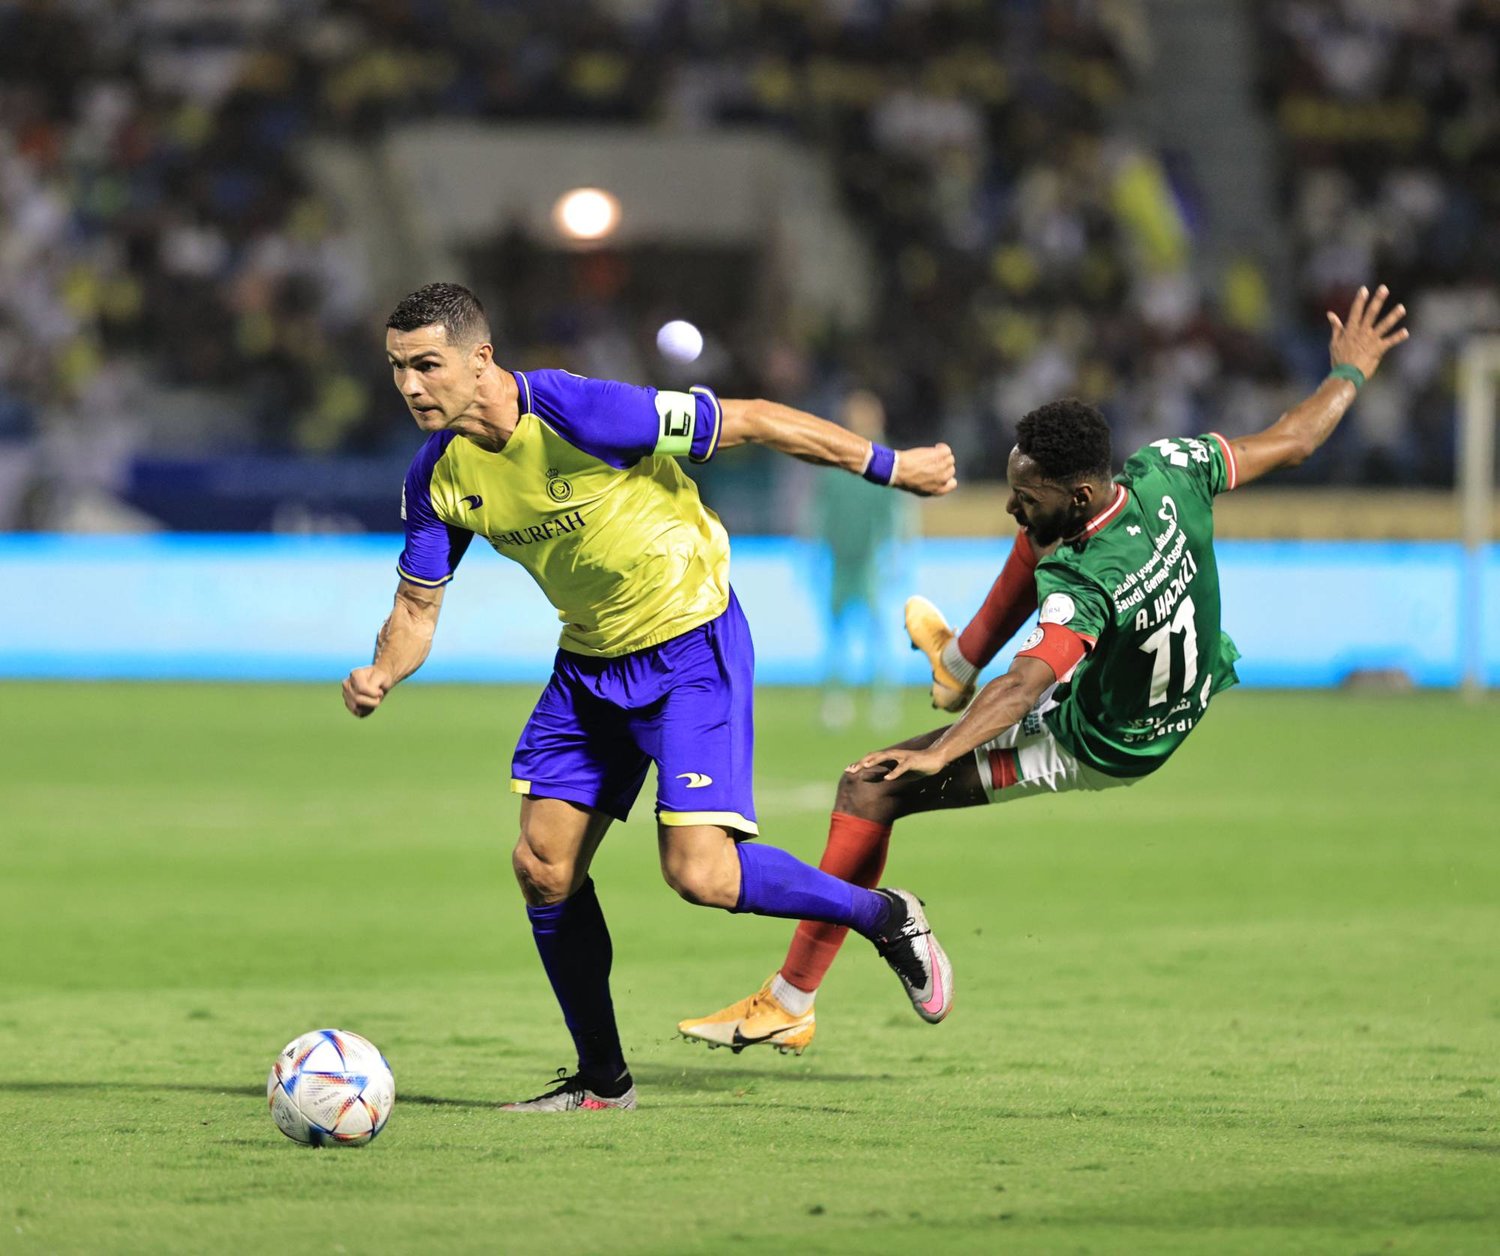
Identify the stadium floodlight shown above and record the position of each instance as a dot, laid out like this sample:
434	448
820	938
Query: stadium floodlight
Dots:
1478	373
586	214
679	341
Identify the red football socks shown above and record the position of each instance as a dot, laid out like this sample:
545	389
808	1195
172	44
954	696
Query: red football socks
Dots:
855	852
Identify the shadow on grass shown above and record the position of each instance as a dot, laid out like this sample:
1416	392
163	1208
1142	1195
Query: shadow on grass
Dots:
658	1078
187	1087
1468	1145
255	1092
672	1077
709	1080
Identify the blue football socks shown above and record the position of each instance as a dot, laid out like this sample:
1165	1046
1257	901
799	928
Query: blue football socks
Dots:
774	883
574	944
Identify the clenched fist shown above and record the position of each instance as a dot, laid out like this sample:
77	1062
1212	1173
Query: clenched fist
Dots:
928	471
364	690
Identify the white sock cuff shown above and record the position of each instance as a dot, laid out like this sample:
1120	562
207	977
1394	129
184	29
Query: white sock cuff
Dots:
797	1002
962	670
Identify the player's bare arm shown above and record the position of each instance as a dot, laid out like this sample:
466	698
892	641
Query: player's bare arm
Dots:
1001	704
928	470
400	647
1359	341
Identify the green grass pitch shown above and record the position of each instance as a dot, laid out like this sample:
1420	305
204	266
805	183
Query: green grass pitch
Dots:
1250	1006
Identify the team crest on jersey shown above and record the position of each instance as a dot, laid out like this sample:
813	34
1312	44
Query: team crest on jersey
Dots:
558	489
1175	453
1059	608
1033	641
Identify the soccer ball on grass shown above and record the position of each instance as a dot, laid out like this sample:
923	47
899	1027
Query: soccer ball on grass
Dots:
331	1087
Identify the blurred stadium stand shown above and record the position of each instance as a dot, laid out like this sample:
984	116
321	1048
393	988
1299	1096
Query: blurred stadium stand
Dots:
208	206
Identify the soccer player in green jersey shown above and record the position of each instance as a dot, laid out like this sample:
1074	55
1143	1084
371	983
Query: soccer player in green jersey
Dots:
1121	668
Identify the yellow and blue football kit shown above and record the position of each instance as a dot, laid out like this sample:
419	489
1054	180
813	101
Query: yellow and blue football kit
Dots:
588	497
655	665
655	660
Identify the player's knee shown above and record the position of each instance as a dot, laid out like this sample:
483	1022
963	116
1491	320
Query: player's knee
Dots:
684	878
879	801
540	882
702	882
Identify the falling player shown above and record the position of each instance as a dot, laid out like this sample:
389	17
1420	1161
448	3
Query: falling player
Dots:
576	480
1118	672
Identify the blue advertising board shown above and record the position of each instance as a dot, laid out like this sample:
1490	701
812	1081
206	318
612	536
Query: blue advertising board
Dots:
262	607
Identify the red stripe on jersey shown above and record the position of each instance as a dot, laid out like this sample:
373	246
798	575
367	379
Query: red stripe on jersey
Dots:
1230	464
1109	513
1003	772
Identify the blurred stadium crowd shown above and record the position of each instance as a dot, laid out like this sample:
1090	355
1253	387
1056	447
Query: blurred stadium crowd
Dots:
162	249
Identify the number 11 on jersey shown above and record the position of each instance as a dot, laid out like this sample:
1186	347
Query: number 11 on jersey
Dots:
1159	644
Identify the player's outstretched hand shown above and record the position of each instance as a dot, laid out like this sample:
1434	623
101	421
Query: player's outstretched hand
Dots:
1364	337
928	471
364	689
889	765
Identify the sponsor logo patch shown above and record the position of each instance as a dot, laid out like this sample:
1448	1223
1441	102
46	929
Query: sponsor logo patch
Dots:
1059	608
695	780
547	530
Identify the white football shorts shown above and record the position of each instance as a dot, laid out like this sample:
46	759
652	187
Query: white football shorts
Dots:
1027	759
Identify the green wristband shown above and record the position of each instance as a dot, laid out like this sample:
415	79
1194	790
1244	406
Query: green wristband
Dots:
1352	373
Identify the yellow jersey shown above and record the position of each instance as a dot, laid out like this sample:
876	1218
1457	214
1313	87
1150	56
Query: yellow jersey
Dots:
588	497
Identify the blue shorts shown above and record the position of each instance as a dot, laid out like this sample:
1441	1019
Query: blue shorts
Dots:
686	705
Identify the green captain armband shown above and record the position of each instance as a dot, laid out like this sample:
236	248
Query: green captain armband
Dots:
1352	373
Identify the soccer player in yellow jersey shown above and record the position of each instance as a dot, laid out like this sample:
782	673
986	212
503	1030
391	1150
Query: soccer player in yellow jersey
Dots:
577	480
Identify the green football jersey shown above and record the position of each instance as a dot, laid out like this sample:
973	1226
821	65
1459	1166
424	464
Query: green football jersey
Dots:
1142	583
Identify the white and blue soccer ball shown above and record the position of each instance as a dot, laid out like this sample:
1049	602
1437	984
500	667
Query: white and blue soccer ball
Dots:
330	1087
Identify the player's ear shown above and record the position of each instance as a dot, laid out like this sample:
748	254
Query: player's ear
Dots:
481	357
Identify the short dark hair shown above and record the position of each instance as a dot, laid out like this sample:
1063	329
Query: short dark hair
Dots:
1067	439
451	304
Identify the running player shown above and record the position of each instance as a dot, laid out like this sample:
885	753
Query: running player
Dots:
576	480
1120	669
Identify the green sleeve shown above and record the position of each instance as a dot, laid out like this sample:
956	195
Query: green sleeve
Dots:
1207	461
1067	597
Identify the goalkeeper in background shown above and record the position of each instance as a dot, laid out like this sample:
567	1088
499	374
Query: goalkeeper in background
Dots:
1121	668
864	530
